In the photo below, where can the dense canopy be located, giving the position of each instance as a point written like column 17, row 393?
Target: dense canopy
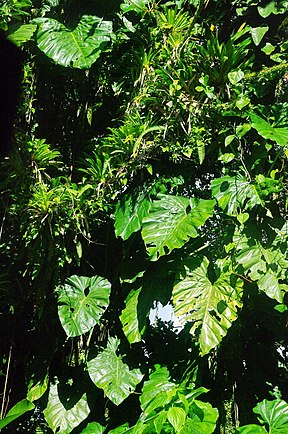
column 148, row 169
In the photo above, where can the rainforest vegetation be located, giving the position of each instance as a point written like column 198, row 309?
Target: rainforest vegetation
column 147, row 168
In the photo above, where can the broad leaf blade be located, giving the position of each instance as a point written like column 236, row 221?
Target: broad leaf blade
column 81, row 303
column 154, row 286
column 202, row 419
column 60, row 420
column 23, row 34
column 93, row 428
column 235, row 194
column 108, row 372
column 18, row 410
column 130, row 212
column 251, row 429
column 275, row 414
column 211, row 307
column 176, row 416
column 78, row 48
column 157, row 384
column 268, row 131
column 172, row 220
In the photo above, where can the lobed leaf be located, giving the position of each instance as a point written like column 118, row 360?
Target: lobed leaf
column 77, row 48
column 81, row 303
column 172, row 220
column 268, row 131
column 210, row 307
column 108, row 372
column 60, row 420
column 235, row 194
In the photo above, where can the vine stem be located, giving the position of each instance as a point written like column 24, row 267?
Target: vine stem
column 6, row 383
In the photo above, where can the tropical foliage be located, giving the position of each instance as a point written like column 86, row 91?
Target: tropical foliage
column 149, row 169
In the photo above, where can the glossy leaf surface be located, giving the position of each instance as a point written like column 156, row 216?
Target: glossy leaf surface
column 130, row 213
column 275, row 414
column 211, row 307
column 108, row 372
column 81, row 303
column 77, row 48
column 268, row 131
column 17, row 411
column 172, row 220
column 61, row 420
column 235, row 194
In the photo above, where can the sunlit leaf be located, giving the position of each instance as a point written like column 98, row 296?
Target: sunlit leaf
column 177, row 417
column 108, row 372
column 211, row 307
column 268, row 131
column 81, row 303
column 134, row 5
column 275, row 414
column 93, row 428
column 258, row 33
column 154, row 286
column 154, row 390
column 61, row 420
column 77, row 48
column 18, row 410
column 251, row 429
column 172, row 220
column 23, row 34
column 202, row 419
column 130, row 212
column 235, row 194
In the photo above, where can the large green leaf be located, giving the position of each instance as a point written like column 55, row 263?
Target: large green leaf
column 176, row 416
column 23, row 34
column 251, row 429
column 81, row 303
column 171, row 221
column 130, row 319
column 154, row 286
column 210, row 306
column 134, row 5
column 154, row 390
column 77, row 48
column 235, row 194
column 18, row 410
column 275, row 414
column 130, row 212
column 202, row 419
column 268, row 131
column 61, row 420
column 93, row 428
column 109, row 373
column 266, row 266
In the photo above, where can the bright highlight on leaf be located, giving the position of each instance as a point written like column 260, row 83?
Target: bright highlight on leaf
column 172, row 220
column 77, row 48
column 108, row 372
column 61, row 420
column 235, row 194
column 81, row 303
column 210, row 307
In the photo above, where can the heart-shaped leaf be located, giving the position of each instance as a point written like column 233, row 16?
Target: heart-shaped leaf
column 235, row 194
column 275, row 414
column 172, row 220
column 81, row 303
column 108, row 372
column 60, row 420
column 210, row 307
column 268, row 131
column 77, row 48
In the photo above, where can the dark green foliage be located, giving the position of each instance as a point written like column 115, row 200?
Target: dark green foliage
column 150, row 170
